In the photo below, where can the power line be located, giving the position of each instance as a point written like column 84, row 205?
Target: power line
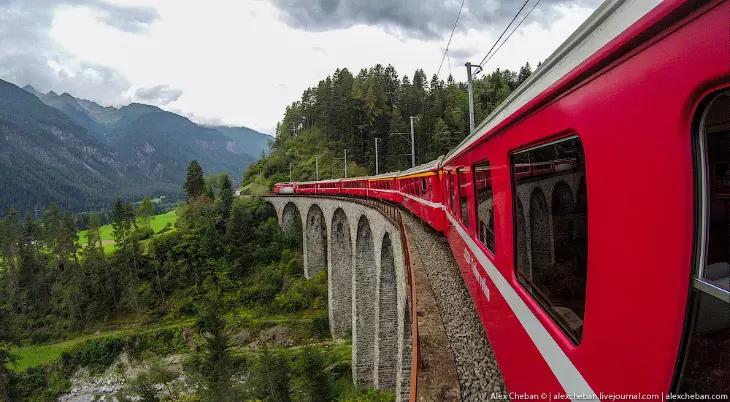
column 513, row 31
column 503, row 32
column 451, row 36
column 448, row 57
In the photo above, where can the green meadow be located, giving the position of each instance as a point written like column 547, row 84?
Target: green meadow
column 107, row 232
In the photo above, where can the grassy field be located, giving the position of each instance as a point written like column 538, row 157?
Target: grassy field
column 107, row 232
column 36, row 355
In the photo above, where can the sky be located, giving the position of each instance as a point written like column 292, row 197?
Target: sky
column 241, row 62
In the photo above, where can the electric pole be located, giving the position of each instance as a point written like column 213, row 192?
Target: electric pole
column 289, row 172
column 316, row 166
column 413, row 145
column 345, row 163
column 376, row 156
column 471, row 93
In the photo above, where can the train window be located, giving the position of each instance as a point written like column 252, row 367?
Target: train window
column 463, row 198
column 430, row 188
column 454, row 191
column 485, row 210
column 705, row 361
column 424, row 189
column 553, row 269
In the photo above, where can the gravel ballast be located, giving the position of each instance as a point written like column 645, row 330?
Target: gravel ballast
column 479, row 375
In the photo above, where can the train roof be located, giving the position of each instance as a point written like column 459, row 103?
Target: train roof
column 356, row 178
column 608, row 21
column 425, row 167
column 385, row 175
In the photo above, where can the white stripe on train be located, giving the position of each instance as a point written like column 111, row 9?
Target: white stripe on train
column 567, row 374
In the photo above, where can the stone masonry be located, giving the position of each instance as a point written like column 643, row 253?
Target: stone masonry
column 367, row 288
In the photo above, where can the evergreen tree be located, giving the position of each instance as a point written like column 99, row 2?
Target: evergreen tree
column 215, row 361
column 146, row 211
column 270, row 377
column 194, row 185
column 225, row 195
column 313, row 382
column 8, row 339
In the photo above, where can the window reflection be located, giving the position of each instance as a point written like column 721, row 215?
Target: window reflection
column 463, row 198
column 485, row 209
column 550, row 186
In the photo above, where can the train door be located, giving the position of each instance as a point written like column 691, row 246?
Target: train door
column 704, row 361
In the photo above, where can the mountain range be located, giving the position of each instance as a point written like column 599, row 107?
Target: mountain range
column 81, row 155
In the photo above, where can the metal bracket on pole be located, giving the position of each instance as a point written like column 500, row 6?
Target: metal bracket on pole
column 469, row 76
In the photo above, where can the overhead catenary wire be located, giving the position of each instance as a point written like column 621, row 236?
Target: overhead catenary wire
column 450, row 36
column 503, row 32
column 513, row 31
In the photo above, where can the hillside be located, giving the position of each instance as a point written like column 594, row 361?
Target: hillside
column 246, row 140
column 45, row 157
column 158, row 146
column 347, row 112
column 81, row 155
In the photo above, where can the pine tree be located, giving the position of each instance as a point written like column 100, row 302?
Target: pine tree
column 194, row 184
column 8, row 339
column 225, row 195
column 146, row 211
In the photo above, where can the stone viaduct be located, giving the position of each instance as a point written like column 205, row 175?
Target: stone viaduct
column 361, row 250
column 543, row 206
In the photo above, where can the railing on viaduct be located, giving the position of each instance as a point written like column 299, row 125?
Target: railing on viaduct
column 394, row 214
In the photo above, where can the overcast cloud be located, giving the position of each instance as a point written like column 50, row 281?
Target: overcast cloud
column 29, row 56
column 241, row 62
column 158, row 95
column 420, row 19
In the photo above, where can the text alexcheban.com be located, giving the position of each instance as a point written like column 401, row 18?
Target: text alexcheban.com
column 516, row 396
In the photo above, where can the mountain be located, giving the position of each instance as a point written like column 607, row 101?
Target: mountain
column 71, row 107
column 82, row 155
column 158, row 146
column 46, row 157
column 246, row 140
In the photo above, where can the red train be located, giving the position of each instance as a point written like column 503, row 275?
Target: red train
column 590, row 212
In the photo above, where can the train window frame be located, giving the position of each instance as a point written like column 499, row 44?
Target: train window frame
column 533, row 292
column 484, row 242
column 702, row 200
column 703, row 298
column 463, row 205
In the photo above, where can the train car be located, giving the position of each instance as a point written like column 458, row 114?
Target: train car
column 590, row 212
column 284, row 188
column 307, row 187
column 421, row 192
column 357, row 186
column 329, row 186
column 383, row 186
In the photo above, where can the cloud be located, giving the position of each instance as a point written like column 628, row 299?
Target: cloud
column 420, row 19
column 28, row 55
column 160, row 94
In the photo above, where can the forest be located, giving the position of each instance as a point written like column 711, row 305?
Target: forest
column 221, row 295
column 347, row 112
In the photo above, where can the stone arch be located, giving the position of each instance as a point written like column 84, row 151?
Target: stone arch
column 363, row 339
column 316, row 238
column 523, row 258
column 291, row 219
column 540, row 233
column 269, row 210
column 340, row 275
column 387, row 325
column 562, row 226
